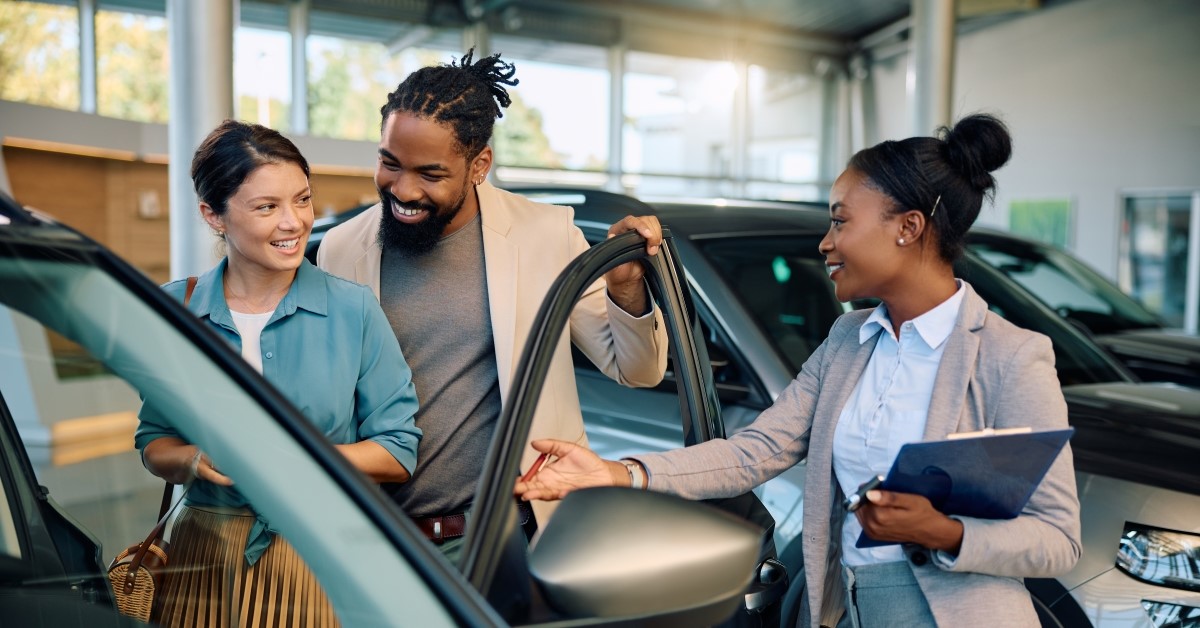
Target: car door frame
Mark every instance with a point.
(699, 405)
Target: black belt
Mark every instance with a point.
(440, 529)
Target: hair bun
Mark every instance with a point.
(978, 145)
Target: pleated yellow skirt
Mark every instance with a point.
(209, 585)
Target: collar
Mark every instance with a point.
(307, 292)
(933, 326)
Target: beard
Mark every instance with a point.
(419, 238)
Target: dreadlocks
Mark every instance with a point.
(466, 96)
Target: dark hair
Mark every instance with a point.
(945, 177)
(466, 96)
(231, 152)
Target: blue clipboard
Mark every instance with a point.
(987, 477)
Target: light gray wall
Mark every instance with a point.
(1101, 96)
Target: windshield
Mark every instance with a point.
(783, 284)
(1077, 359)
(1067, 285)
(80, 348)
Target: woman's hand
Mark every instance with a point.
(202, 468)
(179, 463)
(909, 518)
(575, 467)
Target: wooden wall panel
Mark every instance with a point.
(334, 193)
(71, 188)
(125, 205)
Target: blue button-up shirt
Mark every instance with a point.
(888, 408)
(331, 352)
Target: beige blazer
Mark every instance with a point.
(992, 374)
(525, 246)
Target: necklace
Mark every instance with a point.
(263, 304)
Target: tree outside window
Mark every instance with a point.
(39, 54)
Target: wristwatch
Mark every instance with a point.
(637, 474)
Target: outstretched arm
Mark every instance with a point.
(573, 467)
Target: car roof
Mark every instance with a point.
(695, 218)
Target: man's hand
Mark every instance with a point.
(576, 467)
(625, 285)
(909, 518)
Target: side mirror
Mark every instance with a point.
(650, 558)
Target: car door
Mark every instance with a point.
(51, 568)
(696, 408)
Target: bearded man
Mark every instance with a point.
(461, 267)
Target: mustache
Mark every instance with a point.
(391, 200)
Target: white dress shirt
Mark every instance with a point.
(888, 408)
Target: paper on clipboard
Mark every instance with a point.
(988, 477)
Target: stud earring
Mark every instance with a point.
(900, 241)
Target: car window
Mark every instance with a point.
(78, 353)
(784, 285)
(10, 547)
(1077, 359)
(1066, 285)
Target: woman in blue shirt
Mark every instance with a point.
(322, 341)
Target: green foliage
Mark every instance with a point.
(39, 54)
(277, 112)
(346, 87)
(132, 63)
(519, 139)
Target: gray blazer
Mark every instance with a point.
(992, 374)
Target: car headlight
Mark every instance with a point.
(1167, 615)
(1166, 558)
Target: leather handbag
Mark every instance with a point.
(137, 573)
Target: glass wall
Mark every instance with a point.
(1153, 255)
(39, 54)
(678, 121)
(784, 129)
(132, 63)
(560, 110)
(262, 77)
(349, 80)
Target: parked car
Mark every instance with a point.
(1081, 295)
(765, 302)
(84, 336)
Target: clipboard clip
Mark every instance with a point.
(988, 431)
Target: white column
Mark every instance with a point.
(298, 27)
(740, 142)
(931, 65)
(477, 36)
(201, 97)
(616, 118)
(87, 56)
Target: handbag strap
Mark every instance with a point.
(165, 508)
(154, 538)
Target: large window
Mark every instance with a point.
(348, 82)
(560, 110)
(785, 123)
(132, 62)
(39, 54)
(678, 121)
(262, 77)
(1157, 254)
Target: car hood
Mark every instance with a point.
(1155, 345)
(1147, 433)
